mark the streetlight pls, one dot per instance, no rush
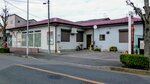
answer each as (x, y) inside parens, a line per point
(49, 48)
(94, 28)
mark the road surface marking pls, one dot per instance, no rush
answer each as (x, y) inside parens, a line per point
(57, 73)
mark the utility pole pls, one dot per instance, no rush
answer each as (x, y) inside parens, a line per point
(49, 46)
(49, 33)
(27, 34)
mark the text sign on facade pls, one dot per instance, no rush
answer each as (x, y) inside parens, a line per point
(141, 44)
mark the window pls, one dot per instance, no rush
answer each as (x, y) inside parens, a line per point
(65, 35)
(79, 37)
(31, 39)
(23, 38)
(34, 39)
(102, 37)
(37, 39)
(18, 21)
(123, 36)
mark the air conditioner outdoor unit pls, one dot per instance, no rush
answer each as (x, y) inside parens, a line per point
(74, 31)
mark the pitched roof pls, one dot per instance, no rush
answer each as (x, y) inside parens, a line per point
(55, 20)
(106, 22)
(17, 16)
(93, 20)
(52, 20)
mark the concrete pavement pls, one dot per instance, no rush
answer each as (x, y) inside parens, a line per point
(83, 57)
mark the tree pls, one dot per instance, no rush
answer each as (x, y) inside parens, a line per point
(146, 24)
(4, 17)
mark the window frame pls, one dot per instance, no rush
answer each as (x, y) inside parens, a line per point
(67, 38)
(32, 33)
(125, 38)
(80, 36)
(101, 37)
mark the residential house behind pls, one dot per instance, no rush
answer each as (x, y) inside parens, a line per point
(15, 21)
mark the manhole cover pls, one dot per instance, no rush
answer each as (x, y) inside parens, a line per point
(55, 77)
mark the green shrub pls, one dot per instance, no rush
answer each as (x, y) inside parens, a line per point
(4, 50)
(97, 49)
(113, 48)
(135, 61)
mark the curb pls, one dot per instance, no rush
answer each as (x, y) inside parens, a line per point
(134, 71)
(112, 68)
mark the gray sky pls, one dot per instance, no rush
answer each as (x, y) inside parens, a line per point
(74, 10)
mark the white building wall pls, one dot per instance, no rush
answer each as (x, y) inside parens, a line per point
(14, 38)
(112, 39)
(138, 30)
(11, 21)
(19, 21)
(17, 38)
(68, 45)
(138, 33)
(44, 45)
(15, 21)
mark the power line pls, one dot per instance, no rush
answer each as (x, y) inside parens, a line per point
(21, 1)
(22, 10)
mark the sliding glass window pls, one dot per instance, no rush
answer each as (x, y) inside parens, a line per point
(34, 38)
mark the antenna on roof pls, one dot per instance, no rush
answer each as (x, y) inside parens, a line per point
(105, 15)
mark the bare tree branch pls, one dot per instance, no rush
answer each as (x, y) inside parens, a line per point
(137, 10)
(4, 17)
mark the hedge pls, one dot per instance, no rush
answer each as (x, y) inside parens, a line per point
(135, 61)
(4, 50)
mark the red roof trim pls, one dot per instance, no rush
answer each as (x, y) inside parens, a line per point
(106, 22)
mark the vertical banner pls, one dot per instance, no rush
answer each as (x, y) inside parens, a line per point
(51, 34)
(132, 35)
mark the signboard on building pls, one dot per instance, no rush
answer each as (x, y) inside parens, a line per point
(141, 44)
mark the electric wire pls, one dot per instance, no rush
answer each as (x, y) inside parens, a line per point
(23, 10)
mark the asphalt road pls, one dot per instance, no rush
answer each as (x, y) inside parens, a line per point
(55, 72)
(23, 75)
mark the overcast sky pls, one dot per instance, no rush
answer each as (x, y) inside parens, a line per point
(74, 10)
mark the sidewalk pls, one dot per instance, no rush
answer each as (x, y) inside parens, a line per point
(81, 57)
